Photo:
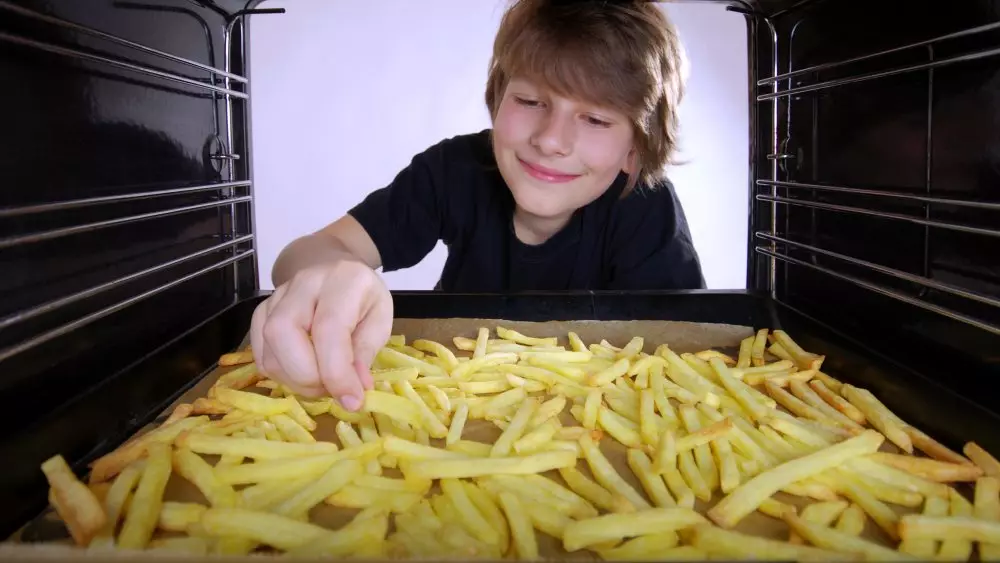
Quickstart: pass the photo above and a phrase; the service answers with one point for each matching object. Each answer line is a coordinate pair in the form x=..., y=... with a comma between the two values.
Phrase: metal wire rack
x=218, y=213
x=825, y=215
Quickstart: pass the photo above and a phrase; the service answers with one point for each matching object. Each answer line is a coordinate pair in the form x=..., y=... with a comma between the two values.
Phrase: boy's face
x=557, y=154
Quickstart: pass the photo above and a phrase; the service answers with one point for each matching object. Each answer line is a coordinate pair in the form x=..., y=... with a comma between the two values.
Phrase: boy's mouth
x=547, y=174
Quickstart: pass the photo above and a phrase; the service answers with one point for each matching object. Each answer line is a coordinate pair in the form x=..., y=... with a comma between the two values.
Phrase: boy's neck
x=533, y=230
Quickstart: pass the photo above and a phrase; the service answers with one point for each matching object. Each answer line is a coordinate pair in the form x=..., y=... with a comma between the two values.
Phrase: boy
x=564, y=192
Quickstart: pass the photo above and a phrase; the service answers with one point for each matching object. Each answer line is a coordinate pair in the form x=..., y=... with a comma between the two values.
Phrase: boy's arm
x=344, y=239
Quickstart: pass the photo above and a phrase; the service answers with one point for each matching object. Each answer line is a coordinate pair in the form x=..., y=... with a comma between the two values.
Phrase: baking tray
x=106, y=416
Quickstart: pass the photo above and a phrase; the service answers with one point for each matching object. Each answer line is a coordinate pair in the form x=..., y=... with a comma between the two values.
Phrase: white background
x=345, y=92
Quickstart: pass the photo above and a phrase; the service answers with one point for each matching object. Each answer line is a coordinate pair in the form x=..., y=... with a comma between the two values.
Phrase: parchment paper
x=681, y=336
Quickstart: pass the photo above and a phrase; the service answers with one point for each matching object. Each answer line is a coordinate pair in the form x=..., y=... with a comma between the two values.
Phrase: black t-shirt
x=453, y=192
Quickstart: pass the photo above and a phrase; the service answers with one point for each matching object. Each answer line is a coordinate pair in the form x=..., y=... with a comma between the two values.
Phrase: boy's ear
x=631, y=162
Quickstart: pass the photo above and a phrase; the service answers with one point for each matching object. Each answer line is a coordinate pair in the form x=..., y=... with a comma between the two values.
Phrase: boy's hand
x=320, y=331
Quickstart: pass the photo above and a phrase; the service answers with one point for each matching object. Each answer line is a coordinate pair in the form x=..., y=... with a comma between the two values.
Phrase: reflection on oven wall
x=345, y=93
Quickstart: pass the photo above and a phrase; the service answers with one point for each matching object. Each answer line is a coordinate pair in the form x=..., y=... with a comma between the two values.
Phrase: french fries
x=500, y=441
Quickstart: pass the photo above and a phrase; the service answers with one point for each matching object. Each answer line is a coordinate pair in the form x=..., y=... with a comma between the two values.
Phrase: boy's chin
x=541, y=207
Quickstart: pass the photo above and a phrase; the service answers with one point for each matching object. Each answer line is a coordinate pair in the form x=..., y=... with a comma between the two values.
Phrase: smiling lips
x=547, y=174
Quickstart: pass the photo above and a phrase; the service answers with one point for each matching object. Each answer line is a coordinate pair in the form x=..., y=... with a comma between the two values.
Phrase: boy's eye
x=527, y=103
x=591, y=120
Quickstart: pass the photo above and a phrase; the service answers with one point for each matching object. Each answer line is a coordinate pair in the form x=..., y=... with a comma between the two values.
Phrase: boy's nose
x=554, y=136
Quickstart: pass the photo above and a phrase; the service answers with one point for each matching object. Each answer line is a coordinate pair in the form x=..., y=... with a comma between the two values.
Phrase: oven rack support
x=774, y=204
x=232, y=194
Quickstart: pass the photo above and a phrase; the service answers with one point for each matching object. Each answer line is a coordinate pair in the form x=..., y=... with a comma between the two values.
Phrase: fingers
x=371, y=334
x=286, y=336
x=337, y=315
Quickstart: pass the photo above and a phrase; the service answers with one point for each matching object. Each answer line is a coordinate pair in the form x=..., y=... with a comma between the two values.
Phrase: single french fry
x=589, y=490
x=391, y=358
x=521, y=527
x=267, y=494
x=836, y=401
x=336, y=478
x=75, y=503
x=252, y=448
x=746, y=348
x=897, y=477
x=505, y=443
x=613, y=527
x=651, y=547
x=986, y=462
x=266, y=528
x=475, y=467
x=757, y=348
x=820, y=535
x=878, y=416
x=930, y=469
x=651, y=482
x=811, y=398
x=195, y=469
x=731, y=544
x=805, y=360
x=745, y=499
x=739, y=390
x=111, y=464
x=144, y=509
x=852, y=520
x=605, y=474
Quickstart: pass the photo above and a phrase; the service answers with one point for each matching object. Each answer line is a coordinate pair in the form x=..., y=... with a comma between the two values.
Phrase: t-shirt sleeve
x=650, y=244
x=408, y=217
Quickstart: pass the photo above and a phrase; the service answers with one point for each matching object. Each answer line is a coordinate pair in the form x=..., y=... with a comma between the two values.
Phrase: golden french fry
x=651, y=482
x=986, y=462
x=757, y=348
x=74, y=502
x=820, y=535
x=930, y=469
x=192, y=467
x=612, y=527
x=878, y=416
x=805, y=360
x=728, y=543
x=837, y=402
x=144, y=509
x=852, y=520
x=111, y=464
x=606, y=475
x=475, y=467
x=745, y=499
x=179, y=516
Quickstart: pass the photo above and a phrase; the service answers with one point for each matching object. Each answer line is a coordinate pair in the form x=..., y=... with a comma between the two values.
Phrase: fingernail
x=351, y=402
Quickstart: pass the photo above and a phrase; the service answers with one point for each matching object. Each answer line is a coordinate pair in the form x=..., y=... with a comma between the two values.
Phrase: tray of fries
x=493, y=439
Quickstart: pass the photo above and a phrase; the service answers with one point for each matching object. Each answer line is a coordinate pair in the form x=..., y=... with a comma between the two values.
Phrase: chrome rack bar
x=56, y=233
x=74, y=203
x=76, y=54
x=90, y=292
x=97, y=315
x=921, y=280
x=993, y=206
x=836, y=64
x=880, y=74
x=883, y=291
x=882, y=214
x=5, y=5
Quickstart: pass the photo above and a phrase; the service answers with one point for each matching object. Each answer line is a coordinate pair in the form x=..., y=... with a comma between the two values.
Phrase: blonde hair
x=625, y=55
